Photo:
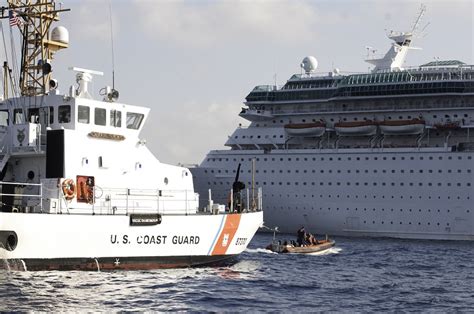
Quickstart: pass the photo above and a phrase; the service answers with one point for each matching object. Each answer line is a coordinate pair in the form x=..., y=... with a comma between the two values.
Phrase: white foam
x=333, y=250
x=259, y=250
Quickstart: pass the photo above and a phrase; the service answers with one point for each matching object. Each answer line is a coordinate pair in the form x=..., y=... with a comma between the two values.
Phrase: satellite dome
x=309, y=64
x=60, y=34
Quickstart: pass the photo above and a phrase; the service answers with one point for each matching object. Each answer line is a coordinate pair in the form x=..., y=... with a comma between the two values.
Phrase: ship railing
x=28, y=200
x=126, y=201
x=248, y=200
x=319, y=108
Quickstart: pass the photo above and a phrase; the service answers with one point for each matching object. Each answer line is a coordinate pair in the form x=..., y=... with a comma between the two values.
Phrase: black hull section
x=117, y=263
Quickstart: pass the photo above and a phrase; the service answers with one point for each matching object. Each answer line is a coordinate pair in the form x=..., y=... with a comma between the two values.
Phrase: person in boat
x=311, y=239
x=301, y=236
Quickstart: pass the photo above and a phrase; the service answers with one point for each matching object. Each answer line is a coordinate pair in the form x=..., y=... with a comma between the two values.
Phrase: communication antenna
x=38, y=43
x=112, y=45
x=417, y=23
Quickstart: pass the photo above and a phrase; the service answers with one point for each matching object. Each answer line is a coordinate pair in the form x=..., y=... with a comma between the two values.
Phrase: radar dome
x=60, y=34
x=309, y=64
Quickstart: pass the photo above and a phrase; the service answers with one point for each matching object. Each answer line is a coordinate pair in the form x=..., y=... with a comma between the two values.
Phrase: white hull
x=50, y=241
x=404, y=193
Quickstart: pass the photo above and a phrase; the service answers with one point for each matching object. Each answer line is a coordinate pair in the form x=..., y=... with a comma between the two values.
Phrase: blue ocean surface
x=358, y=275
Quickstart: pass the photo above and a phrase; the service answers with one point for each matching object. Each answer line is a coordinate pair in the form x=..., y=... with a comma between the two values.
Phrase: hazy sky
x=193, y=62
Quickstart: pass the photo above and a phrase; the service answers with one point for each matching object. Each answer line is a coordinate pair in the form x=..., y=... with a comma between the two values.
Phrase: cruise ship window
x=64, y=114
x=83, y=114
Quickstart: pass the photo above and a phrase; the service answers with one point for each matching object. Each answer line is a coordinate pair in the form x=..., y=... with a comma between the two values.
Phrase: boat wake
x=333, y=250
x=259, y=250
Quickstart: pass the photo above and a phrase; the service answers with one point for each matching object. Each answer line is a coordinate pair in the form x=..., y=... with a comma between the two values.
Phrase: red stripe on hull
x=231, y=225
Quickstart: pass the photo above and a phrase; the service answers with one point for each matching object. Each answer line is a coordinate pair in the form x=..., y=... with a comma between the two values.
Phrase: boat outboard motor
x=237, y=187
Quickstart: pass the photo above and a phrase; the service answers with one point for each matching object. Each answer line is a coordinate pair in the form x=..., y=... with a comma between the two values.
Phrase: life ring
x=69, y=189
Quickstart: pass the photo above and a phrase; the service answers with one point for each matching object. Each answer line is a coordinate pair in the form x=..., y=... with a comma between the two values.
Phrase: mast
x=38, y=48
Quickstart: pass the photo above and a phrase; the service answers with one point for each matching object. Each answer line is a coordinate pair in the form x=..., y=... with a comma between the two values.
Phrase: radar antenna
x=38, y=46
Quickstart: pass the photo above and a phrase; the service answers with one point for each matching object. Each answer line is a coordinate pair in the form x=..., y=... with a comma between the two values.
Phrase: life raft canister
x=69, y=189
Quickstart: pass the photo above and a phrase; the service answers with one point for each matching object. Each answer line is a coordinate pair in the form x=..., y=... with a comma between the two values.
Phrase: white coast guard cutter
x=79, y=188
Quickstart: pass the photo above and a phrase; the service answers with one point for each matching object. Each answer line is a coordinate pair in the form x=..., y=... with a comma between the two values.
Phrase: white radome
x=309, y=64
x=61, y=34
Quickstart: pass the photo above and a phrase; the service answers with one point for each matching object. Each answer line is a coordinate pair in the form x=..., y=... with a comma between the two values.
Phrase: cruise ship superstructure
x=388, y=153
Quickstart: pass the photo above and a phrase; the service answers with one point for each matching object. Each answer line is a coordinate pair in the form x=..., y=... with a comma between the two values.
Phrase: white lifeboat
x=356, y=128
x=256, y=114
x=402, y=127
x=306, y=129
x=448, y=125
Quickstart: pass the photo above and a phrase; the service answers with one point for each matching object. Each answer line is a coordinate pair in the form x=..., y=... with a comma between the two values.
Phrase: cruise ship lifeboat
x=356, y=128
x=306, y=129
x=402, y=127
x=448, y=126
x=256, y=114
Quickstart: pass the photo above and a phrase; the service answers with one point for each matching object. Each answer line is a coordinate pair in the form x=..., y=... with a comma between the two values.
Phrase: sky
x=194, y=62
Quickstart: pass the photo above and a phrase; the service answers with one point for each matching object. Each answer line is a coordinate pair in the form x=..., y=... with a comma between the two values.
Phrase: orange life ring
x=69, y=189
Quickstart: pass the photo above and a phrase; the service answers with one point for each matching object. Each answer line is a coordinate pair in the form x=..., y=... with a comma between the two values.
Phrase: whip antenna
x=112, y=45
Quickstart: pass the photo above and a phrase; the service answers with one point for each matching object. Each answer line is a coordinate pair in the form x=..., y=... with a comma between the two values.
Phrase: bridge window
x=100, y=116
x=64, y=114
x=3, y=118
x=116, y=118
x=51, y=115
x=134, y=120
x=83, y=114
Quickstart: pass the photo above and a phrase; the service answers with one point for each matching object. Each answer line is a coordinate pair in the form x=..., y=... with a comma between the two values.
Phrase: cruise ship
x=388, y=153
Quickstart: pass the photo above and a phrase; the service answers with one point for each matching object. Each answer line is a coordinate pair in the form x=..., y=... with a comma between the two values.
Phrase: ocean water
x=357, y=275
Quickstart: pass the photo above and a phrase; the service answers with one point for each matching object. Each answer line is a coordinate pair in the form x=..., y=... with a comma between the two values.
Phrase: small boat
x=356, y=128
x=306, y=129
x=413, y=126
x=278, y=246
